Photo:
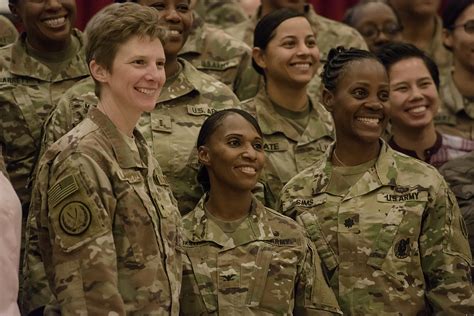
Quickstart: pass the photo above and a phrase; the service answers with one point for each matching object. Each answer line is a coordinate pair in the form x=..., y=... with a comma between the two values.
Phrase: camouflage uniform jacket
x=171, y=129
x=28, y=92
x=8, y=32
x=329, y=34
x=441, y=56
x=109, y=228
x=456, y=116
x=287, y=152
x=459, y=173
x=267, y=267
x=218, y=54
x=221, y=13
x=395, y=244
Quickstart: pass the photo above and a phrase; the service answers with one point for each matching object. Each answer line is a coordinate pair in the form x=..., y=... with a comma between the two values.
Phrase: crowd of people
x=198, y=157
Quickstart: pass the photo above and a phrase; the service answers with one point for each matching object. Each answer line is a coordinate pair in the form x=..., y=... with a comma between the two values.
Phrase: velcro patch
x=200, y=109
x=62, y=190
x=272, y=147
x=75, y=218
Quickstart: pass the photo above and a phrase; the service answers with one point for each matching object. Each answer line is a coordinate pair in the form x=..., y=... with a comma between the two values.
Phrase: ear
x=259, y=57
x=448, y=38
x=203, y=155
x=98, y=71
x=327, y=98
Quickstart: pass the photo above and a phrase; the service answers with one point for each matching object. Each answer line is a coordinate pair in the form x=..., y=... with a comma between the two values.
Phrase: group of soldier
x=103, y=179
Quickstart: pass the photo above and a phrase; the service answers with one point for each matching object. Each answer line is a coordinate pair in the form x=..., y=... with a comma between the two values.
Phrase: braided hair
x=337, y=61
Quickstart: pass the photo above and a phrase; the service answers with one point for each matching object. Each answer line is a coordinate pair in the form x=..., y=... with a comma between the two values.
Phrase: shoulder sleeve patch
x=62, y=190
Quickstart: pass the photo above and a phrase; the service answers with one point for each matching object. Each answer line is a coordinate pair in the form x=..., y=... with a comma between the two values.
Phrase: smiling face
x=413, y=96
x=233, y=154
x=177, y=17
x=377, y=17
x=359, y=103
x=461, y=42
x=48, y=24
x=137, y=75
x=291, y=57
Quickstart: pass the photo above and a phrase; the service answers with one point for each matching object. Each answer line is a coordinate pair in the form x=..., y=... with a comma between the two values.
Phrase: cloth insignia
x=75, y=218
x=402, y=248
x=62, y=190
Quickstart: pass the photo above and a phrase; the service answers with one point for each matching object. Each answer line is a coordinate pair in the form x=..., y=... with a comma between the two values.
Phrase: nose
x=171, y=15
x=249, y=153
x=416, y=94
x=53, y=4
x=155, y=73
x=303, y=49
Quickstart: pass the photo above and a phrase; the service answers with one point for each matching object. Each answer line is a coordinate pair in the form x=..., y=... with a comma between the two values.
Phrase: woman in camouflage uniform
x=386, y=226
x=109, y=227
x=242, y=257
x=296, y=128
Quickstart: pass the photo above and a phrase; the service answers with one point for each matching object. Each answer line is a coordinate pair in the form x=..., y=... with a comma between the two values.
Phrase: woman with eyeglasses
x=376, y=21
x=457, y=84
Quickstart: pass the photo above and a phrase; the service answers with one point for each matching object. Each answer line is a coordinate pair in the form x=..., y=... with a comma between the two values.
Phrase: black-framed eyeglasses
x=468, y=26
x=371, y=31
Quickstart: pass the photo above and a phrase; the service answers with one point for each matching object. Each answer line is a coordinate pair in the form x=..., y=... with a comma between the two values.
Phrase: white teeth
x=302, y=66
x=368, y=120
x=173, y=32
x=146, y=91
x=248, y=170
x=418, y=109
x=55, y=22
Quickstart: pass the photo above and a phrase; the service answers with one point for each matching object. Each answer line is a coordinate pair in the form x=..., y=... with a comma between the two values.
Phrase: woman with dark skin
x=239, y=255
x=385, y=225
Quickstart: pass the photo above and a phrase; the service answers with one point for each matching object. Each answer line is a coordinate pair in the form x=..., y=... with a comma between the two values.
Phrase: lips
x=55, y=22
x=247, y=170
x=417, y=109
x=146, y=91
x=371, y=121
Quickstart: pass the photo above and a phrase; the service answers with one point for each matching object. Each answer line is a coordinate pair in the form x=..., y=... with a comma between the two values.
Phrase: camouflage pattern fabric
x=8, y=32
x=109, y=228
x=221, y=13
x=459, y=173
x=456, y=115
x=218, y=54
x=28, y=92
x=395, y=244
x=288, y=152
x=266, y=267
x=329, y=34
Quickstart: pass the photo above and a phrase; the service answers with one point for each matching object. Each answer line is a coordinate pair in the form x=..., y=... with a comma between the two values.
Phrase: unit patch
x=402, y=248
x=75, y=218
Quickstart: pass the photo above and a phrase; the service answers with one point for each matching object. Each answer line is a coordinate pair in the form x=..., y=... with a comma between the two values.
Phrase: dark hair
x=265, y=30
x=208, y=128
x=392, y=53
x=337, y=61
x=349, y=16
x=452, y=10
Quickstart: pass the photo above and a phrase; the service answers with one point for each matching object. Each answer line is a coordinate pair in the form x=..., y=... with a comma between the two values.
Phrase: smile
x=372, y=121
x=303, y=66
x=56, y=22
x=248, y=170
x=417, y=110
x=146, y=91
x=174, y=32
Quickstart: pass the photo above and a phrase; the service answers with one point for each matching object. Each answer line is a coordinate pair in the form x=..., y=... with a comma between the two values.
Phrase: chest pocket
x=138, y=217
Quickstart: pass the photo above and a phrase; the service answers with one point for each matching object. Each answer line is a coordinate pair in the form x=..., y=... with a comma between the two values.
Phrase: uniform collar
x=187, y=80
x=271, y=122
x=386, y=173
x=23, y=64
x=125, y=157
x=195, y=40
x=428, y=152
x=198, y=228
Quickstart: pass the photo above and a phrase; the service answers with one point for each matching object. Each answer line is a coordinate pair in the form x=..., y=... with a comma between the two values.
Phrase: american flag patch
x=62, y=190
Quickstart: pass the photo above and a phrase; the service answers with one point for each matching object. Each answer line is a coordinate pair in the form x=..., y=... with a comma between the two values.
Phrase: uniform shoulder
x=249, y=105
x=286, y=227
x=220, y=40
x=5, y=57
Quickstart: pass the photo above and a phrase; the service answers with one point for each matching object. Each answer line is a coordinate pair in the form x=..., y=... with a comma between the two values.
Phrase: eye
x=233, y=142
x=383, y=95
x=425, y=84
x=288, y=44
x=359, y=93
x=311, y=42
x=160, y=64
x=258, y=145
x=139, y=62
x=182, y=8
x=401, y=89
x=369, y=31
x=158, y=6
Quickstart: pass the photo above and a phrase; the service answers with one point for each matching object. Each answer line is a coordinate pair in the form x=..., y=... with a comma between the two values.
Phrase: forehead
x=410, y=68
x=293, y=26
x=373, y=12
x=366, y=70
x=235, y=123
x=467, y=14
x=143, y=46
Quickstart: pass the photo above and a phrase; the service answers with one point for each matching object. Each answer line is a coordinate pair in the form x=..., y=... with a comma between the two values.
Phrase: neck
x=415, y=139
x=228, y=205
x=171, y=66
x=350, y=153
x=463, y=79
x=124, y=120
x=288, y=97
x=49, y=46
x=418, y=30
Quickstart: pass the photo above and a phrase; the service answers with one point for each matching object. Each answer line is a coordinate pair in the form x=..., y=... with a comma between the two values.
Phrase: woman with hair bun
x=386, y=226
x=241, y=257
x=296, y=128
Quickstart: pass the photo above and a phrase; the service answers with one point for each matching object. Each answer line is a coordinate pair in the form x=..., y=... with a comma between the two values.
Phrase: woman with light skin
x=376, y=21
x=241, y=257
x=296, y=128
x=414, y=102
x=386, y=226
x=457, y=88
x=108, y=225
